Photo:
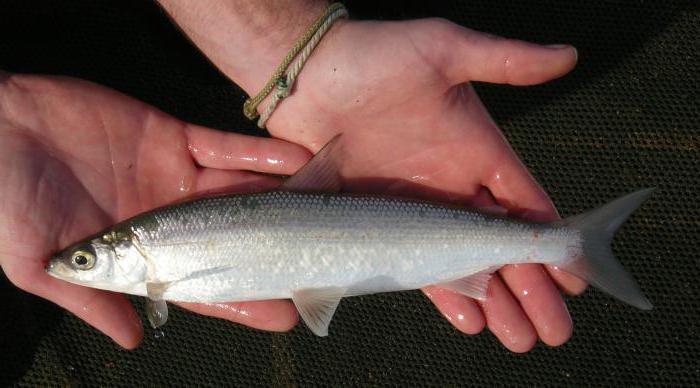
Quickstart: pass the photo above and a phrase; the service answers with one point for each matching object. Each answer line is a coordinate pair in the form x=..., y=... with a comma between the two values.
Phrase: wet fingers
x=462, y=312
x=506, y=319
x=540, y=300
x=567, y=282
x=231, y=151
x=271, y=315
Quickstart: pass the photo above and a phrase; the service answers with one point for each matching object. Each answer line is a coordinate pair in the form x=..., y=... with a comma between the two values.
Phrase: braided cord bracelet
x=251, y=104
x=284, y=84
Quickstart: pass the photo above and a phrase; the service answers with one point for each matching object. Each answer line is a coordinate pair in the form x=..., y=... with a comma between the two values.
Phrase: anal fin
x=316, y=307
x=474, y=286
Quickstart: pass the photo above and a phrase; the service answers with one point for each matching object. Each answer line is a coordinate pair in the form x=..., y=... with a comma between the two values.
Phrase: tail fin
x=597, y=265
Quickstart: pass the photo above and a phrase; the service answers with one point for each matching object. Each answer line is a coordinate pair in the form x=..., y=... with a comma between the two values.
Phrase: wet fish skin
x=264, y=246
x=318, y=248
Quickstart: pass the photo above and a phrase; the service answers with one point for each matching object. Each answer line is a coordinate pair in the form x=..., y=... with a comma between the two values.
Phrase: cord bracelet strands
x=251, y=104
x=284, y=83
x=305, y=44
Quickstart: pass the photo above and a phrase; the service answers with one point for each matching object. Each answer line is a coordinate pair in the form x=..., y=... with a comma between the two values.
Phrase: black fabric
x=627, y=117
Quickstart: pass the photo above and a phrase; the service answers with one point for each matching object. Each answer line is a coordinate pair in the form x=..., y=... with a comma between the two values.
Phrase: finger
x=567, y=282
x=108, y=312
x=462, y=312
x=515, y=188
x=272, y=315
x=506, y=320
x=477, y=56
x=540, y=300
x=211, y=180
x=482, y=199
x=512, y=185
x=231, y=151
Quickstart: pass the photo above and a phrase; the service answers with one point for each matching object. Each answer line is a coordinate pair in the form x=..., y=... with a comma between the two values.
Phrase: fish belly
x=265, y=246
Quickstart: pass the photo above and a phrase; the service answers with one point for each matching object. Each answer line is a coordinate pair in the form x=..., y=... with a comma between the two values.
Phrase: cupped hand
x=76, y=157
x=400, y=93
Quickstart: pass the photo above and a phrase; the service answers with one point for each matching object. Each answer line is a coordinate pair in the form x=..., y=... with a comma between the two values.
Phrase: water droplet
x=185, y=184
x=236, y=308
x=158, y=334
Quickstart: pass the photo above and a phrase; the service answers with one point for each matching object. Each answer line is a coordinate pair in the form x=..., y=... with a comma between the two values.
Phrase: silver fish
x=316, y=247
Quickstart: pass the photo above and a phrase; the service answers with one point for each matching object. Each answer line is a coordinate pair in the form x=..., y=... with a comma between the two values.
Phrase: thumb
x=477, y=56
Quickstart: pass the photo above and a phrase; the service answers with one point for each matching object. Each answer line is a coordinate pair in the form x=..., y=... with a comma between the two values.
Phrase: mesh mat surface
x=627, y=117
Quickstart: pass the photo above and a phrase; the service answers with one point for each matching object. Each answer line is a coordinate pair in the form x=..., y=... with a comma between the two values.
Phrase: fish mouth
x=58, y=269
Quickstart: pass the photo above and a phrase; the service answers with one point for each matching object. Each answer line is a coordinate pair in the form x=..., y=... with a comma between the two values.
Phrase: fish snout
x=56, y=267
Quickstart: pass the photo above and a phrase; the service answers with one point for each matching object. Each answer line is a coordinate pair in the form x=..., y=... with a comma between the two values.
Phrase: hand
x=76, y=157
x=400, y=93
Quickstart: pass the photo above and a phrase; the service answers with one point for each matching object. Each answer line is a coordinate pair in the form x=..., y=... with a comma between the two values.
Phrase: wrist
x=246, y=40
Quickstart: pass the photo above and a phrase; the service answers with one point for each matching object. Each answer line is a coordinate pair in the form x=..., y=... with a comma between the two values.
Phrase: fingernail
x=558, y=46
x=563, y=47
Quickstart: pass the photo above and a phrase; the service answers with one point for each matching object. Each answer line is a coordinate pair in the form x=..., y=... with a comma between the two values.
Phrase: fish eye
x=83, y=260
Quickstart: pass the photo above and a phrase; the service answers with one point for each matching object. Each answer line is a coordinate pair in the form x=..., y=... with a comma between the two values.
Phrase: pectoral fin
x=317, y=306
x=473, y=286
x=155, y=290
x=157, y=312
x=156, y=307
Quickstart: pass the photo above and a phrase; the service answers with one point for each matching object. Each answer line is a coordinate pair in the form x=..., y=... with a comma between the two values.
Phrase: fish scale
x=272, y=243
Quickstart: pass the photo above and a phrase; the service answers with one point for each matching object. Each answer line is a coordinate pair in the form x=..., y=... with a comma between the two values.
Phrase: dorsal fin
x=321, y=173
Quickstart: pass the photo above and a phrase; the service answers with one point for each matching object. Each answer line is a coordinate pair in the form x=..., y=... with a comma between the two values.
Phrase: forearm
x=245, y=39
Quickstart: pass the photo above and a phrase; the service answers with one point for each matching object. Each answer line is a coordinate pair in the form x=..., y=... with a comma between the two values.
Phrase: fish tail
x=596, y=264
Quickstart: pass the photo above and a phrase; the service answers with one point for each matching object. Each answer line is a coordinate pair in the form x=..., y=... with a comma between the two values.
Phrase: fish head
x=104, y=263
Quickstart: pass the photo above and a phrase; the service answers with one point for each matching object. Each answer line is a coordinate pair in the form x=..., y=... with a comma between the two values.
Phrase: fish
x=309, y=242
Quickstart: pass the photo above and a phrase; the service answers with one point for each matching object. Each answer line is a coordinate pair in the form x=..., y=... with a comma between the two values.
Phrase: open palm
x=76, y=157
x=412, y=122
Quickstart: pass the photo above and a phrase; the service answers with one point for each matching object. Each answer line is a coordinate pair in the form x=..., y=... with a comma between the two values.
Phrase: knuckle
x=506, y=63
x=439, y=22
x=439, y=29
